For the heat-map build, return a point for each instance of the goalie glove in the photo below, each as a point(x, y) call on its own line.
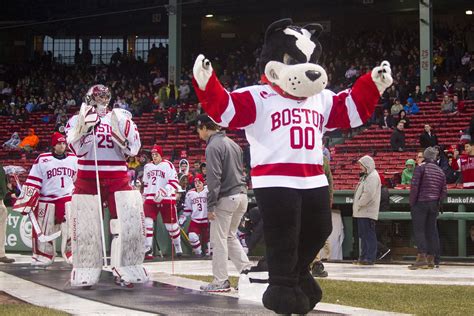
point(382, 76)
point(202, 71)
point(27, 200)
point(87, 119)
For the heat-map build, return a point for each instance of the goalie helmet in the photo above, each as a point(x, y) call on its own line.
point(98, 96)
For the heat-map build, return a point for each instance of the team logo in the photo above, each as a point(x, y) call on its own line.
point(26, 231)
point(266, 95)
point(45, 160)
point(396, 198)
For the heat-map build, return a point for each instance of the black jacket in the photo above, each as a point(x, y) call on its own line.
point(397, 140)
point(428, 141)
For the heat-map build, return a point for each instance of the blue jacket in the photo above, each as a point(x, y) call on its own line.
point(413, 109)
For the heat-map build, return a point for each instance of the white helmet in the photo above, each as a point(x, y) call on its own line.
point(98, 96)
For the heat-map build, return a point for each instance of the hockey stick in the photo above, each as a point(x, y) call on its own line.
point(99, 200)
point(34, 222)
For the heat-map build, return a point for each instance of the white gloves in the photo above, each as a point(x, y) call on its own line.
point(202, 71)
point(382, 76)
point(182, 220)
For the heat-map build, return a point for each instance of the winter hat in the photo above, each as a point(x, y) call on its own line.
point(57, 138)
point(430, 153)
point(157, 149)
point(199, 177)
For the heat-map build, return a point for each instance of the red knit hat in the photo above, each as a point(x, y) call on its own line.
point(157, 149)
point(57, 138)
point(199, 177)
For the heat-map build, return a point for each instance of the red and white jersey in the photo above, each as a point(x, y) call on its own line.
point(110, 157)
point(196, 205)
point(54, 178)
point(160, 176)
point(285, 133)
point(466, 163)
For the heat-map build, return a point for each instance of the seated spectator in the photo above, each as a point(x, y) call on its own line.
point(411, 107)
point(184, 90)
point(13, 142)
point(448, 87)
point(447, 105)
point(428, 138)
point(402, 117)
point(397, 140)
point(190, 116)
point(30, 142)
point(466, 163)
point(396, 107)
point(407, 173)
point(387, 120)
point(459, 105)
point(429, 95)
point(132, 164)
point(417, 95)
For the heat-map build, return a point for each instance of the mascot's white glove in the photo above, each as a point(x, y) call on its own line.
point(27, 200)
point(382, 76)
point(182, 220)
point(202, 71)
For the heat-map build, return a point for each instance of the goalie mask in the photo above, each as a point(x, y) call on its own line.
point(99, 96)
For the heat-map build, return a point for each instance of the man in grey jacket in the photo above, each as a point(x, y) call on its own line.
point(366, 209)
point(427, 191)
point(227, 202)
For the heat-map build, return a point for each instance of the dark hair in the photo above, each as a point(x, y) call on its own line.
point(209, 125)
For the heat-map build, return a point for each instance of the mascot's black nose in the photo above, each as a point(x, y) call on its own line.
point(313, 75)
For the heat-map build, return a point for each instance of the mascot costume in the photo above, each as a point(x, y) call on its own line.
point(284, 120)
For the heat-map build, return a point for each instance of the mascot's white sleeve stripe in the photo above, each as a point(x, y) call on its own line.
point(352, 112)
point(228, 114)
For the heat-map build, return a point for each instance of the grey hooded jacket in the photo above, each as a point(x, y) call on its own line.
point(367, 195)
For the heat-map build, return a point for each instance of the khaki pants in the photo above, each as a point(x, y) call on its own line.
point(224, 243)
point(3, 227)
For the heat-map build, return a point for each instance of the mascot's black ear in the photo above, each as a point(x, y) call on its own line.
point(315, 29)
point(277, 26)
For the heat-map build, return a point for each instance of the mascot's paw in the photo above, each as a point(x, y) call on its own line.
point(311, 288)
point(382, 76)
point(202, 71)
point(285, 300)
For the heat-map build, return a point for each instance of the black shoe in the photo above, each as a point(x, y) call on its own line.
point(7, 260)
point(318, 270)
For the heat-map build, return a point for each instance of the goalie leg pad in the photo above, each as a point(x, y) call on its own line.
point(86, 240)
point(66, 247)
point(127, 251)
point(44, 252)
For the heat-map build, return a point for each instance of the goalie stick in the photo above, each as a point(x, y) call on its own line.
point(34, 222)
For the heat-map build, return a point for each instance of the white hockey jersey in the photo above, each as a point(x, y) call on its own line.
point(160, 176)
point(110, 157)
point(196, 205)
point(54, 178)
point(285, 133)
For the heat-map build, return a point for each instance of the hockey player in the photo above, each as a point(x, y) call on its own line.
point(160, 183)
point(196, 206)
point(102, 139)
point(47, 192)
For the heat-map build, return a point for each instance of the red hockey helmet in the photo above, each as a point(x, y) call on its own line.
point(98, 95)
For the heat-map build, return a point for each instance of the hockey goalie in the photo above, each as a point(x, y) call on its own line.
point(101, 139)
point(46, 195)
